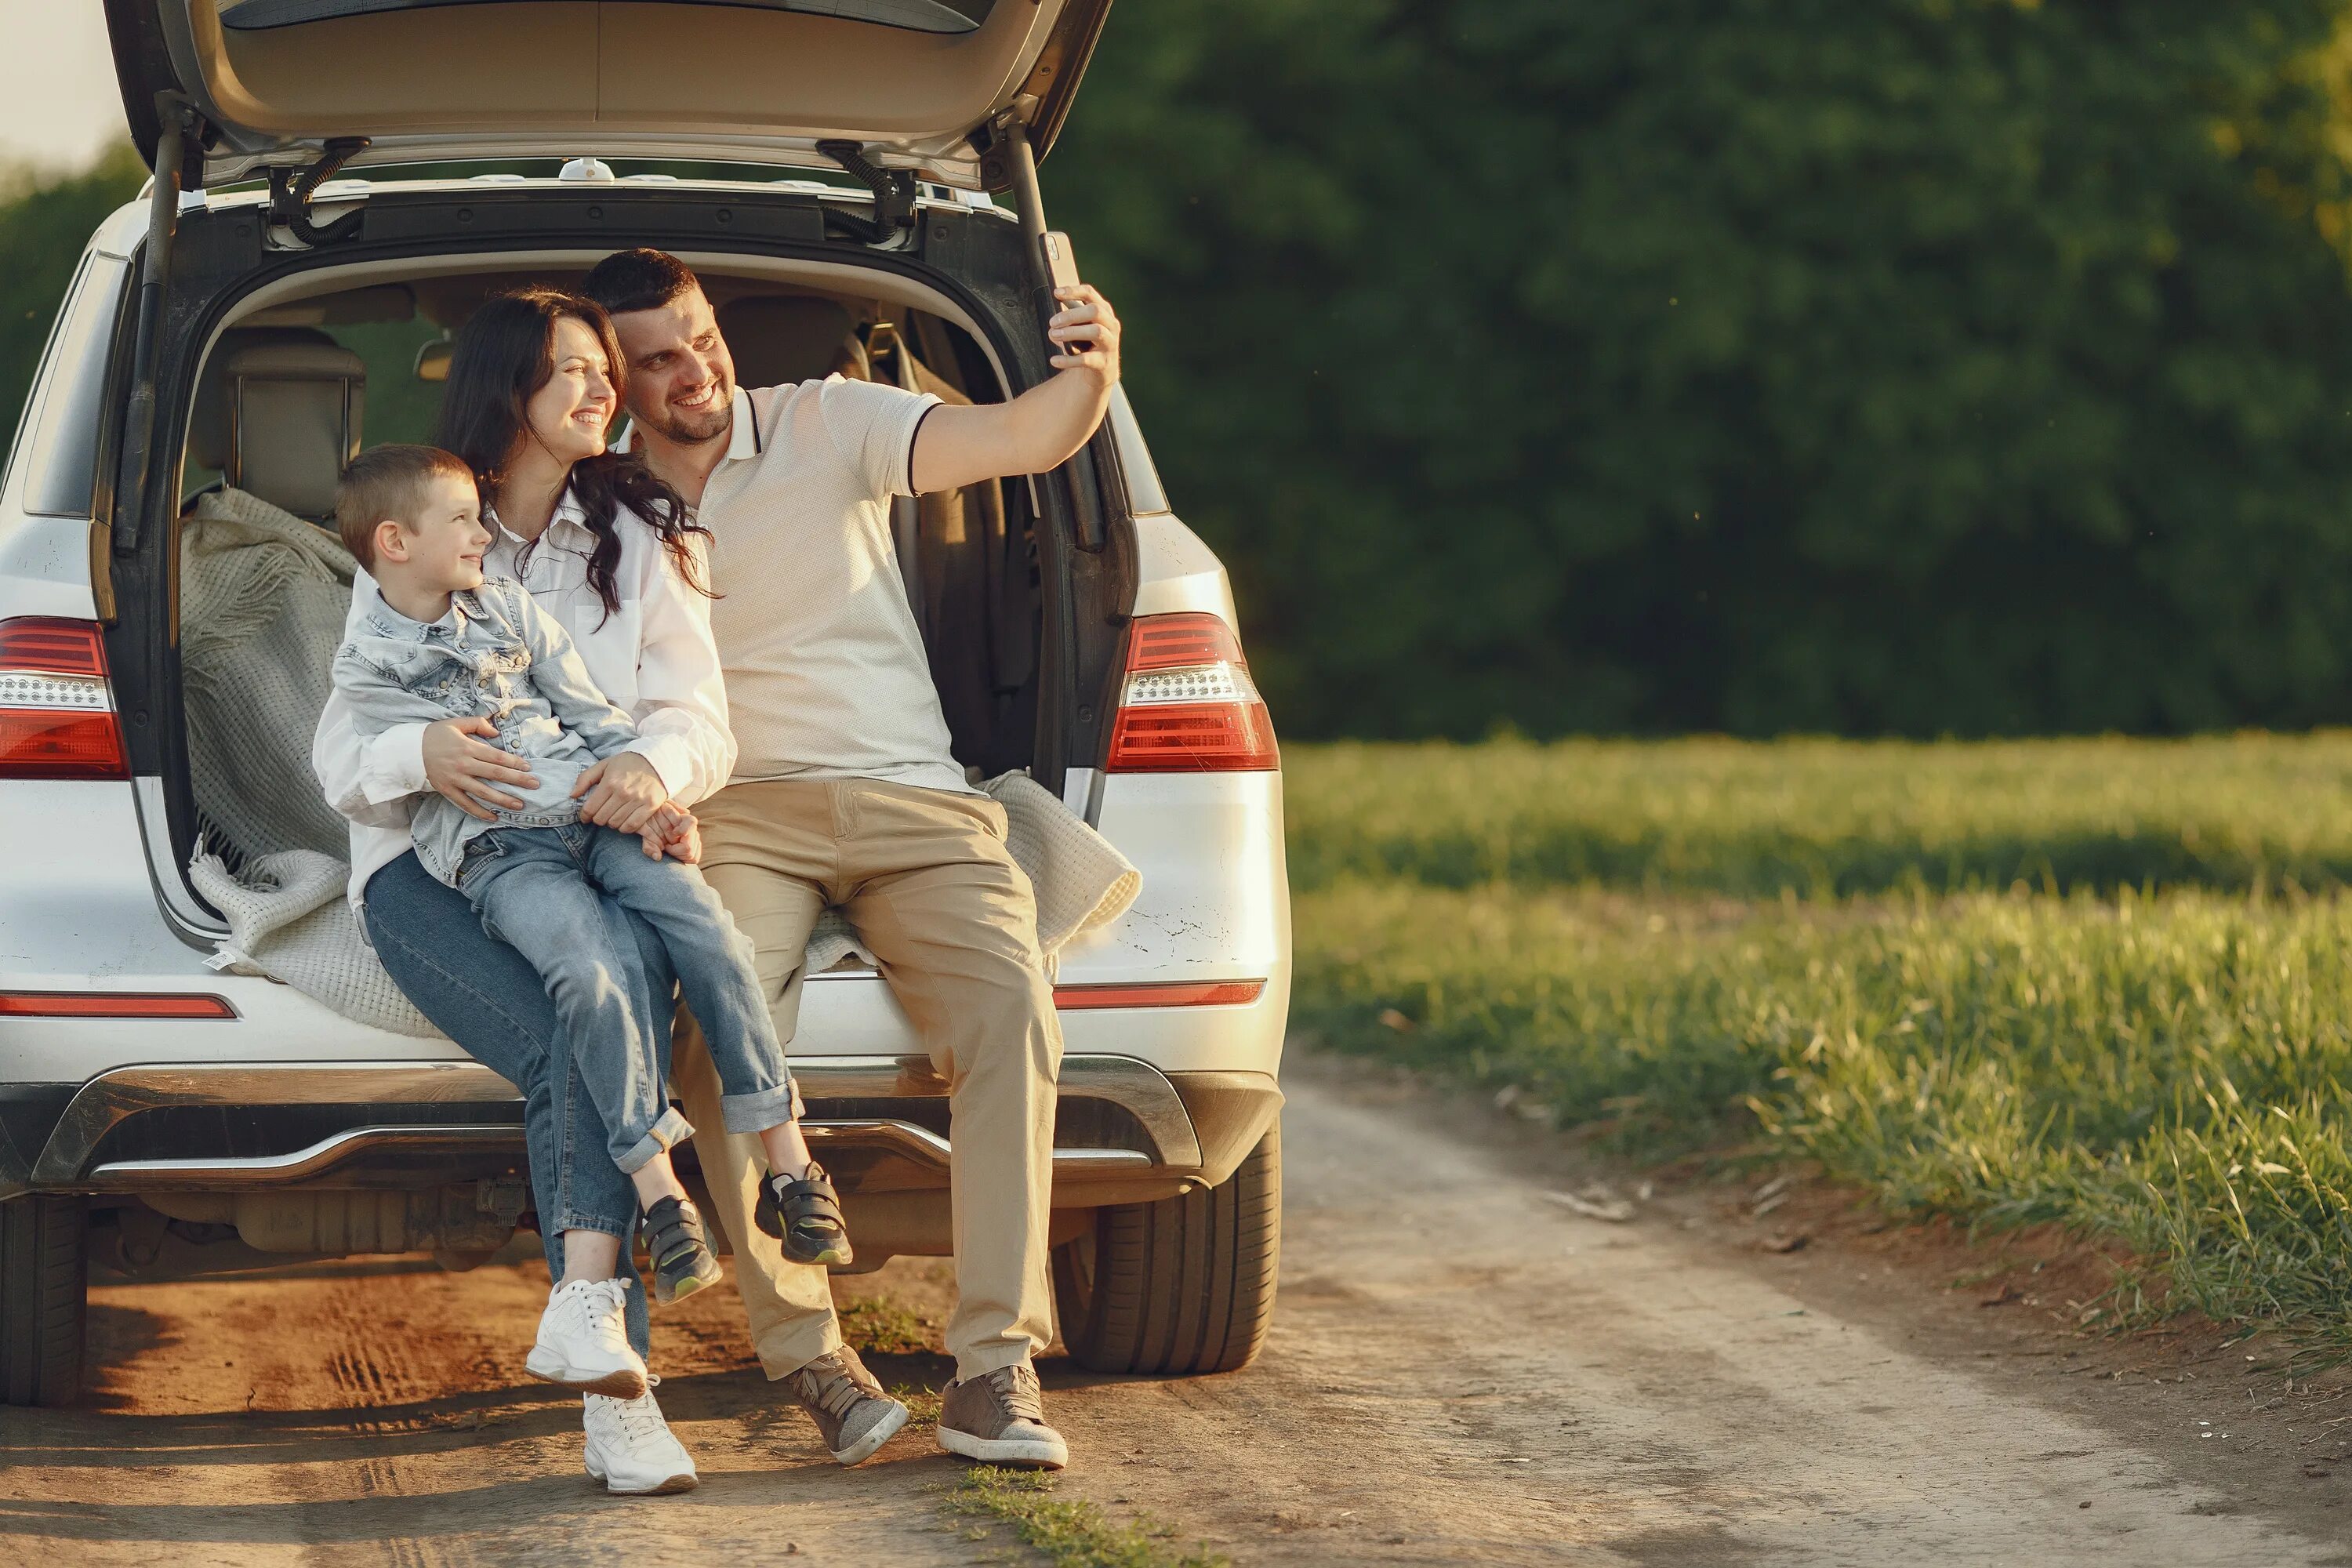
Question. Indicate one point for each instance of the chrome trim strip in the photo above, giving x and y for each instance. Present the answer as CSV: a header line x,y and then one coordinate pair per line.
x,y
108,1098
274,1169
111,1098
926,1147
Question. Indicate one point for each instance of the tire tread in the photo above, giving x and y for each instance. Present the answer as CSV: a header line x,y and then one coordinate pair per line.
x,y
1182,1286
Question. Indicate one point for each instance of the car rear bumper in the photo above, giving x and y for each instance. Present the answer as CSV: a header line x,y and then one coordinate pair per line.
x,y
1125,1131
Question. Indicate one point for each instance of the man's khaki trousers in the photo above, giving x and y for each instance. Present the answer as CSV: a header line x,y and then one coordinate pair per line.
x,y
926,880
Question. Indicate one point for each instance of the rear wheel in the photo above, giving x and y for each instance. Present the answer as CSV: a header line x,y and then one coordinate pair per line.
x,y
44,1292
1184,1285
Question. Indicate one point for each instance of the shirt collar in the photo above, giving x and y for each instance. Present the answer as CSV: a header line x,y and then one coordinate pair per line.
x,y
570,518
742,431
385,621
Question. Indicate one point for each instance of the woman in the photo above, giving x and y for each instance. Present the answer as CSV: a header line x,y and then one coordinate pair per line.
x,y
610,552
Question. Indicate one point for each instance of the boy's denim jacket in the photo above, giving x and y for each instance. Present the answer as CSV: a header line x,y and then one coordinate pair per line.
x,y
497,655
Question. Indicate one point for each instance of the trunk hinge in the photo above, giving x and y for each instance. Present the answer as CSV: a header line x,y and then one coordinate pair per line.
x,y
182,130
1007,152
894,190
291,191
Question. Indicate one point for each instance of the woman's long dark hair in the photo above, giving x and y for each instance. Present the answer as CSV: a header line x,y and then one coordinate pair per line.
x,y
505,353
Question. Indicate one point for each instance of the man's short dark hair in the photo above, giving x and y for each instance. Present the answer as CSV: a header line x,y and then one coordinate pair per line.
x,y
388,481
639,279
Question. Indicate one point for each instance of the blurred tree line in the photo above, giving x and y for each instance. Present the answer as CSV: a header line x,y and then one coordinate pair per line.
x,y
1633,366
1975,366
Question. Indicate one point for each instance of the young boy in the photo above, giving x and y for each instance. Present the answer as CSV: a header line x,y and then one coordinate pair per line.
x,y
438,641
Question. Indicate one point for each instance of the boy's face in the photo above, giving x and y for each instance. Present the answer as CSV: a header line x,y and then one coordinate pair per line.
x,y
440,549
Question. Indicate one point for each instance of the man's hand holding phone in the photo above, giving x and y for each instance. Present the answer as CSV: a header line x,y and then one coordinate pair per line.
x,y
1084,331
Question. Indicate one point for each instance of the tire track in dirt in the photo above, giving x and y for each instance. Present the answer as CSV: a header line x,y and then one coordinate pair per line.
x,y
1459,1373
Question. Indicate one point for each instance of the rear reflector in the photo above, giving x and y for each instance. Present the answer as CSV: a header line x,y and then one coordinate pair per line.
x,y
1189,704
1177,994
57,717
110,1005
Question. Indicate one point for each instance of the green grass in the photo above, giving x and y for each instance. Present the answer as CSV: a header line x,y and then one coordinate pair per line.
x,y
1827,818
2169,1069
879,1326
1068,1534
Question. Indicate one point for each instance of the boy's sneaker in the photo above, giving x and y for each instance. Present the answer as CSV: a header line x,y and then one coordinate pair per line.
x,y
583,1342
630,1447
806,1216
680,1249
849,1406
1000,1419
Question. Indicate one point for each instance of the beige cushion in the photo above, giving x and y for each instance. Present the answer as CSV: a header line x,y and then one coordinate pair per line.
x,y
278,413
777,340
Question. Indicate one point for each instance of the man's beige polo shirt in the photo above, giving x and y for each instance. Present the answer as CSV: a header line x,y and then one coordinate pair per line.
x,y
826,676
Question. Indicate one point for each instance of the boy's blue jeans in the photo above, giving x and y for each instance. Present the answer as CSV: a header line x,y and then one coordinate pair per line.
x,y
562,897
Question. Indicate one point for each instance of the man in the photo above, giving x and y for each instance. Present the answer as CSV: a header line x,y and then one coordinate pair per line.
x,y
844,793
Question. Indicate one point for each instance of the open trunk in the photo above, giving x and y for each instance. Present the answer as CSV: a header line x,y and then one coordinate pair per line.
x,y
289,391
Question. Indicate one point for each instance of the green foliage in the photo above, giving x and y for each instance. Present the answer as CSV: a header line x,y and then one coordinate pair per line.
x,y
1828,818
44,223
1945,365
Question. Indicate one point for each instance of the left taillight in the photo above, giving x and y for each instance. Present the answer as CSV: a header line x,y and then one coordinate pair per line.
x,y
57,717
1189,705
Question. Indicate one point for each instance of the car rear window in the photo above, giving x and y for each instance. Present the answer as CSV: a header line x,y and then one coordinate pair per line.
x,y
58,445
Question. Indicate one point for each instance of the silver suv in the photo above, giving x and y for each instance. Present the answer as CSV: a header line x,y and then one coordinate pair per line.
x,y
251,320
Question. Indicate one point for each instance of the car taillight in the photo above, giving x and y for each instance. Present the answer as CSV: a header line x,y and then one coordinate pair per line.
x,y
1189,705
57,718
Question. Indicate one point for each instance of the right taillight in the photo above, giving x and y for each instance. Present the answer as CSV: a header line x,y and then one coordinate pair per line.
x,y
1189,705
57,718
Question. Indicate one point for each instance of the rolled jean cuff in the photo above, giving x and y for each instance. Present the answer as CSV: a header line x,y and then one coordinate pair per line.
x,y
668,1133
597,1222
757,1112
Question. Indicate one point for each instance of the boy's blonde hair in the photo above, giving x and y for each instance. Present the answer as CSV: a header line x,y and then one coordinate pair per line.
x,y
388,482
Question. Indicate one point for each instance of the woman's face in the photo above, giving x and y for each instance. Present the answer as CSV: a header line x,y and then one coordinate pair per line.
x,y
568,416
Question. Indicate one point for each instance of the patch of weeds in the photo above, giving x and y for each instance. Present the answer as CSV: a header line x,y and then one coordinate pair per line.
x,y
1070,1534
922,1403
878,1326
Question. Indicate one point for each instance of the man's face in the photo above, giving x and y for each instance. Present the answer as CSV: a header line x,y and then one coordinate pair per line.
x,y
681,382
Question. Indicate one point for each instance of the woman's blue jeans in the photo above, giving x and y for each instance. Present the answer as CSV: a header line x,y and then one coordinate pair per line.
x,y
486,997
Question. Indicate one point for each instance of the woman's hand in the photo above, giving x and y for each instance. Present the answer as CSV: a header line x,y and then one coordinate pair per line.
x,y
621,793
473,776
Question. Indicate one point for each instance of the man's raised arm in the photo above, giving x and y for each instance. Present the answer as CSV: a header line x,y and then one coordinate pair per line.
x,y
1040,429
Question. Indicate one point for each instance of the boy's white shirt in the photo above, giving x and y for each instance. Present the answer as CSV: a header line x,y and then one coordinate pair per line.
x,y
654,658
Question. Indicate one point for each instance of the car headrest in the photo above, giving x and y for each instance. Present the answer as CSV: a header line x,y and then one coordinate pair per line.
x,y
776,340
279,412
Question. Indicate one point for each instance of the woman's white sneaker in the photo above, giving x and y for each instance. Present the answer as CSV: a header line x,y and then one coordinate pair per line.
x,y
584,1341
630,1447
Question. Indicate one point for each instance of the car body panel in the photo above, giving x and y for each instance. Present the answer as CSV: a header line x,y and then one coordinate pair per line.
x,y
653,78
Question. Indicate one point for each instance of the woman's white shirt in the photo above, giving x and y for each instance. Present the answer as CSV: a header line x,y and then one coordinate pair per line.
x,y
653,657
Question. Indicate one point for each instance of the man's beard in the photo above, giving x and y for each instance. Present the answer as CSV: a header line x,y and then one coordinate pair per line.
x,y
692,430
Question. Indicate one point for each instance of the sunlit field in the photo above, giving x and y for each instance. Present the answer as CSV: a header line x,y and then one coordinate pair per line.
x,y
2099,983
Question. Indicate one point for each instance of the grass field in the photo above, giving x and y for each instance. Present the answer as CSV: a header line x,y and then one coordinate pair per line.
x,y
2099,983
1826,818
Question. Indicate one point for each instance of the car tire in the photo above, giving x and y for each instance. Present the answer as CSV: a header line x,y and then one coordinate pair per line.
x,y
44,1299
1178,1287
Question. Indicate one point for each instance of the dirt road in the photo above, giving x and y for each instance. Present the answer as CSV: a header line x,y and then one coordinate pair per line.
x,y
1461,1370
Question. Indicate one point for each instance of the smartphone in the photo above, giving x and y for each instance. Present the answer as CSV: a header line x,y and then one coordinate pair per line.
x,y
1061,270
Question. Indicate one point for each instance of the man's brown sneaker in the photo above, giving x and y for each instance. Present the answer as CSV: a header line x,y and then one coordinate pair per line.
x,y
1000,1419
849,1408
